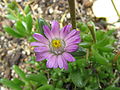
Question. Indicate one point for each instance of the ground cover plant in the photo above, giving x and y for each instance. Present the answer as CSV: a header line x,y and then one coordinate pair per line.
x,y
77,56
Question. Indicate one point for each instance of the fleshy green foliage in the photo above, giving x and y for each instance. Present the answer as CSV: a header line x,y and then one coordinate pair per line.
x,y
27,81
24,23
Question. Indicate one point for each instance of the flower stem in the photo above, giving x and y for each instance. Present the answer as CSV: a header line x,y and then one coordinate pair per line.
x,y
72,13
115,8
91,27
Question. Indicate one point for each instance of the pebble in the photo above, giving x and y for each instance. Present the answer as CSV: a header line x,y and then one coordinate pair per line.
x,y
35,7
68,15
2,88
40,10
2,38
23,52
18,0
10,52
51,10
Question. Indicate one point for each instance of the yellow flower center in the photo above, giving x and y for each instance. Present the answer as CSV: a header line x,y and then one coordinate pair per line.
x,y
56,43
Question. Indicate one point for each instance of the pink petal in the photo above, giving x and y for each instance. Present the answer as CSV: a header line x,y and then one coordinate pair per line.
x,y
51,61
68,57
55,64
60,61
73,40
65,30
65,65
39,57
72,33
48,32
78,33
41,49
40,38
55,28
71,48
37,44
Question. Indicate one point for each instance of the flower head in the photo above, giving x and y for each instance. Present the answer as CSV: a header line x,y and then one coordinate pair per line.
x,y
57,45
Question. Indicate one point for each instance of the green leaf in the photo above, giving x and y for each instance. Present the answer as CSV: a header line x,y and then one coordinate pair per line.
x,y
85,44
12,32
46,87
80,52
87,37
59,89
81,63
31,39
27,9
41,23
110,32
12,5
59,84
29,22
11,17
103,42
100,34
77,79
20,73
18,82
40,78
107,48
112,88
83,27
100,59
20,28
10,84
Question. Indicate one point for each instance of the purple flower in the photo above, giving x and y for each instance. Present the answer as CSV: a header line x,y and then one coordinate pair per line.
x,y
57,45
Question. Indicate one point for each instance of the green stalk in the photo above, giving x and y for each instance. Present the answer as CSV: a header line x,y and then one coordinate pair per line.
x,y
91,27
115,8
72,13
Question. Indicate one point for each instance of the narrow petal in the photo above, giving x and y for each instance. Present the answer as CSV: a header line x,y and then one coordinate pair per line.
x,y
41,49
56,64
72,33
78,33
65,65
65,30
60,61
73,40
39,57
71,48
48,32
51,61
69,43
47,54
68,57
40,38
37,44
55,28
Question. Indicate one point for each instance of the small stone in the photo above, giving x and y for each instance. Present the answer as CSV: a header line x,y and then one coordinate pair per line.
x,y
50,10
10,52
2,38
18,0
40,10
2,88
35,7
23,52
68,15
